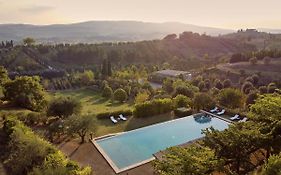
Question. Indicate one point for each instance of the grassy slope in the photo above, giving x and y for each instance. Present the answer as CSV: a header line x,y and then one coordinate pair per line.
x,y
93,103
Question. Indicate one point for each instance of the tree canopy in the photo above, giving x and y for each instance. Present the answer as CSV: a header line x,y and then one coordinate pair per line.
x,y
193,160
26,92
63,107
80,125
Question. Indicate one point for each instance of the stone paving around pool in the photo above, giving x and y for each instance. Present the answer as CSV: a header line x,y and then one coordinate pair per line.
x,y
87,154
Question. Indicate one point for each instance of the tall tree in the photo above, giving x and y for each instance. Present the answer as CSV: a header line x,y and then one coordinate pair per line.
x,y
3,76
63,107
28,41
104,67
26,92
235,144
80,125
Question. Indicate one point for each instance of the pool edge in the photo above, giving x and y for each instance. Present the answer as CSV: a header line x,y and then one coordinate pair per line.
x,y
112,164
108,136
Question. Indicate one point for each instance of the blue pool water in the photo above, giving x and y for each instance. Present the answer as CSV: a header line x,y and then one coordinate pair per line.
x,y
138,145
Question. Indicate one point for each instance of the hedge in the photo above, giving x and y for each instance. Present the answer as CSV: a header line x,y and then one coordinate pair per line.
x,y
106,115
182,112
154,107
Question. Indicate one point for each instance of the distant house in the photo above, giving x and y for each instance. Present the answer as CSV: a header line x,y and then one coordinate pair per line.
x,y
159,76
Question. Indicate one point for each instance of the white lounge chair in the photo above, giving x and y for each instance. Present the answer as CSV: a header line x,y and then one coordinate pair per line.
x,y
236,117
214,110
222,112
122,117
113,119
243,120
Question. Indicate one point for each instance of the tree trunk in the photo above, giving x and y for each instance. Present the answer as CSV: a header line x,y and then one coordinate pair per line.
x,y
82,138
238,167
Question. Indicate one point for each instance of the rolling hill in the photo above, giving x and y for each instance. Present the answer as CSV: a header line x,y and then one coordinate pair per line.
x,y
100,31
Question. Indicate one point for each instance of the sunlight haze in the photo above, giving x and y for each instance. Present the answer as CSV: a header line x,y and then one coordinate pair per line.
x,y
216,13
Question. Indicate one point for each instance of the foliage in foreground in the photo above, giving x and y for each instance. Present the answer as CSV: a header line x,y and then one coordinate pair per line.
x,y
273,165
27,153
191,160
236,145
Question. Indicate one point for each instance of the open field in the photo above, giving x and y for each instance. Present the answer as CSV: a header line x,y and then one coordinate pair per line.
x,y
268,72
93,103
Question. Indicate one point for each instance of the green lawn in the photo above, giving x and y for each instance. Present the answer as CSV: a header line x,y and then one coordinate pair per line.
x,y
93,103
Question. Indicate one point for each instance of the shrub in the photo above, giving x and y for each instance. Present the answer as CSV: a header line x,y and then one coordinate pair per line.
x,y
246,87
180,112
32,118
250,79
251,98
255,78
154,107
184,90
201,85
207,84
266,60
231,98
218,84
106,115
271,87
253,60
141,97
181,101
227,83
168,85
272,166
263,89
107,92
214,91
203,101
64,107
120,95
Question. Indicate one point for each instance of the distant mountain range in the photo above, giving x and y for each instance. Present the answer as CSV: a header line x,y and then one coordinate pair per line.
x,y
103,31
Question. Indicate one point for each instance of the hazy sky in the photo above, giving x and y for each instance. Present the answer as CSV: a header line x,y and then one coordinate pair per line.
x,y
217,13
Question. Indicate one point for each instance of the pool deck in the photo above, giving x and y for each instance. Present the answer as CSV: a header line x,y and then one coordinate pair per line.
x,y
110,162
158,155
217,116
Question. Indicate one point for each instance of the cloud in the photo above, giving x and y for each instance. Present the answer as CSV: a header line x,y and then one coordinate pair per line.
x,y
37,9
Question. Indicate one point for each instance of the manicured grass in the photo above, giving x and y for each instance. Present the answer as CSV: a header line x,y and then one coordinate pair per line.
x,y
106,126
93,103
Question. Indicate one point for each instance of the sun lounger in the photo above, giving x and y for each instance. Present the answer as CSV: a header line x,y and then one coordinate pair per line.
x,y
222,112
122,117
244,119
113,119
214,110
236,117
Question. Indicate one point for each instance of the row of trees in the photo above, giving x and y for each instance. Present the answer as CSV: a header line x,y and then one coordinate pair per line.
x,y
259,55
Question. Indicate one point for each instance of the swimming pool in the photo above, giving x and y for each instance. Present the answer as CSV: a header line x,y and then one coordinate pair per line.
x,y
135,147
